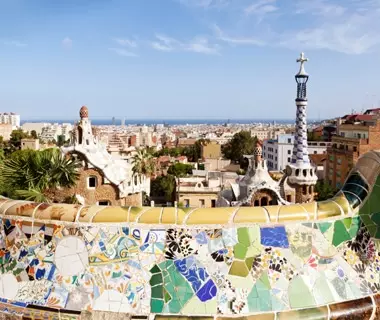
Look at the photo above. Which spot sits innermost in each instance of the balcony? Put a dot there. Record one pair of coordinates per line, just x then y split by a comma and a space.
340, 139
196, 189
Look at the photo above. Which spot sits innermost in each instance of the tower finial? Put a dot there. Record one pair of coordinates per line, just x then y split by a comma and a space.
302, 59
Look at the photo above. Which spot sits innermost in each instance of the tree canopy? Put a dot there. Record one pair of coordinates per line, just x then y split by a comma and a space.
242, 143
179, 170
30, 174
324, 191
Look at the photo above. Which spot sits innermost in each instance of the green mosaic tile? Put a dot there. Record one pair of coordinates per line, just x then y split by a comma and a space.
157, 292
249, 262
347, 222
340, 233
156, 279
324, 226
355, 224
259, 299
156, 306
299, 294
248, 236
240, 251
167, 296
375, 217
239, 269
243, 236
155, 269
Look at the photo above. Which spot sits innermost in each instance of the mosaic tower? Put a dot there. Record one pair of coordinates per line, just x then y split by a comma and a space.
301, 172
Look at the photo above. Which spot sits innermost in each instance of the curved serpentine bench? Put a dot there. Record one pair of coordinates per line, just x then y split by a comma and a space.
319, 260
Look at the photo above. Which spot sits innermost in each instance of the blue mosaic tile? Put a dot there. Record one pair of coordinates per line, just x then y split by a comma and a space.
274, 237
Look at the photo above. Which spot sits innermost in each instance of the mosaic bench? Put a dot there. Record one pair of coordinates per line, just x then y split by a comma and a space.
319, 260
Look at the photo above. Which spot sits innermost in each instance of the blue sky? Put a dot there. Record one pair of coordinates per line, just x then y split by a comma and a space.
187, 58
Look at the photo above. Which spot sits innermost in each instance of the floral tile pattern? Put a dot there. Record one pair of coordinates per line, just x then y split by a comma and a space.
232, 271
192, 270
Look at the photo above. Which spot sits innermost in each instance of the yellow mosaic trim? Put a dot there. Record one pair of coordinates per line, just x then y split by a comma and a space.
336, 207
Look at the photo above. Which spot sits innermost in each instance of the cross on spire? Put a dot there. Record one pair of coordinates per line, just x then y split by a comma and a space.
302, 59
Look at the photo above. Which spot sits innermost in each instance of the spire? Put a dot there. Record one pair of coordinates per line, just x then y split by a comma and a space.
300, 149
83, 112
302, 60
258, 151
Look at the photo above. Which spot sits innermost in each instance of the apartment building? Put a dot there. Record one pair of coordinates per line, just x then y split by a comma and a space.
278, 153
10, 118
356, 135
6, 131
267, 133
211, 150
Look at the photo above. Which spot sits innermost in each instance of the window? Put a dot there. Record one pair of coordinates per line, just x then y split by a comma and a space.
92, 182
186, 203
339, 161
289, 198
289, 140
355, 149
289, 152
315, 152
213, 203
288, 159
103, 203
359, 136
202, 203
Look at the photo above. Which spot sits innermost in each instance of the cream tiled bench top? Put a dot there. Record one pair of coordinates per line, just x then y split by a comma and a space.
368, 167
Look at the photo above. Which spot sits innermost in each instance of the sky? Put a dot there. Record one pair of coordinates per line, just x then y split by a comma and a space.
182, 59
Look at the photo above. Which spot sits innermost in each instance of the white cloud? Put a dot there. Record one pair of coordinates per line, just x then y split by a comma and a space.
15, 43
236, 40
126, 43
319, 7
261, 7
349, 29
123, 52
197, 45
205, 3
67, 43
343, 26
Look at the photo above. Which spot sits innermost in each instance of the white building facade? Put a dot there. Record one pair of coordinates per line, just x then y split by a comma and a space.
278, 153
10, 118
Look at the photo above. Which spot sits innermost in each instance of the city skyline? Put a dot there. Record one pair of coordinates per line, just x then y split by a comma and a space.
178, 59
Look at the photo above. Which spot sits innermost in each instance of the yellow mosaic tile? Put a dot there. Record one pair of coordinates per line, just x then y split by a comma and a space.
21, 208
273, 212
263, 316
213, 216
250, 215
63, 212
112, 214
294, 212
328, 209
7, 205
87, 213
181, 215
343, 202
168, 216
151, 216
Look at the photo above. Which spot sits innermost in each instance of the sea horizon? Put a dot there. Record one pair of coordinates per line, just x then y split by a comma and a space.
118, 121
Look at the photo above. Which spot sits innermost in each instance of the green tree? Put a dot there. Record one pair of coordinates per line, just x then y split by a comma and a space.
33, 134
16, 136
324, 191
163, 186
143, 163
34, 175
194, 152
178, 171
242, 143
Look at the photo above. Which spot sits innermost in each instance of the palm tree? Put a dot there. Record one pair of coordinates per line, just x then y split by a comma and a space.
30, 175
143, 163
